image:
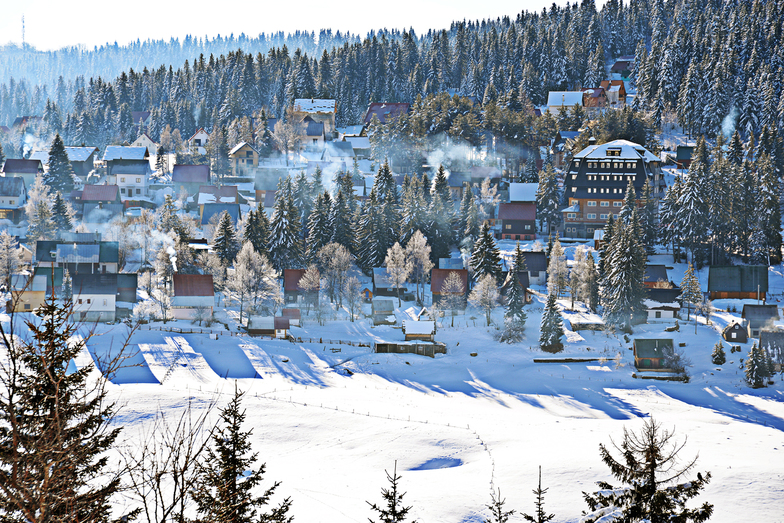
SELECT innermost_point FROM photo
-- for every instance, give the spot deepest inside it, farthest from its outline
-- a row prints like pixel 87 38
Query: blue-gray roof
pixel 122 152
pixel 738 278
pixel 212 209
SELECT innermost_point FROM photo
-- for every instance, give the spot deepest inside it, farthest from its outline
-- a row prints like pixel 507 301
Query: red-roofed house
pixel 100 194
pixel 190 178
pixel 437 278
pixel 191 292
pixel 214 194
pixel 291 289
pixel 518 220
pixel 594 97
pixel 276 326
pixel 385 111
pixel 616 93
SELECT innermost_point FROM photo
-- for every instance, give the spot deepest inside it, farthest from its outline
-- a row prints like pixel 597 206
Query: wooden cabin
pixel 649 353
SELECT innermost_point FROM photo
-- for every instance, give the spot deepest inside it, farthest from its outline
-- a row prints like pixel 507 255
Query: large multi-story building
pixel 596 180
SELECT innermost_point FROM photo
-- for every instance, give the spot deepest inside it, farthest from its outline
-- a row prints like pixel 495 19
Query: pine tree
pixel 647 213
pixel 224 241
pixel 439 229
pixel 319 233
pixel 551 328
pixel 394 511
pixel 692 209
pixel 557 270
pixel 286 246
pixel 541 514
pixel 486 258
pixel 756 368
pixel 340 222
pixel 622 290
pixel 227 479
pixel 548 198
pixel 498 514
pixel 649 471
pixel 56 426
pixel 691 293
pixel 60 214
pixel 59 177
pixel 515 316
pixel 257 230
pixel 370 252
pixel 718 357
pixel 38 210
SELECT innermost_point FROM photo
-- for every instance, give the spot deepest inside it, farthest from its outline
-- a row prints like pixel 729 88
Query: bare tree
pixel 310 283
pixel 453 294
pixel 10 258
pixel 418 254
pixel 485 295
pixel 398 267
pixel 335 262
pixel 288 133
pixel 352 289
pixel 255 280
pixel 162 470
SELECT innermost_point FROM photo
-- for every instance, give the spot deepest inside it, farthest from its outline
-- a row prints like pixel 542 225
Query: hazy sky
pixel 50 24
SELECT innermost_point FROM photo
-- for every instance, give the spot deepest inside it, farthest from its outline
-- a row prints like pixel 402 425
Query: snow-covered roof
pixel 79 154
pixel 339 150
pixel 121 152
pixel 351 130
pixel 240 146
pixel 566 98
pixel 523 192
pixel 358 142
pixel 617 150
pixel 573 208
pixel 419 327
pixel 653 304
pixel 315 105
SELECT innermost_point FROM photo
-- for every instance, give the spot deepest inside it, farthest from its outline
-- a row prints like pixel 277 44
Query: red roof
pixel 291 279
pixel 517 211
pixel 100 193
pixel 593 92
pixel 193 285
pixel 385 111
pixel 294 314
pixel 438 276
pixel 191 174
pixel 281 323
pixel 15 165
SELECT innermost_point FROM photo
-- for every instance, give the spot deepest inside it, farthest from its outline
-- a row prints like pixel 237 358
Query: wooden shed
pixel 411 347
pixel 649 353
pixel 275 326
pixel 735 333
pixel 419 330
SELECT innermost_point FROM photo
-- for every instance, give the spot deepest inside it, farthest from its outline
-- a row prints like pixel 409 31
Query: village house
pixel 656 277
pixel 117 157
pixel 563 99
pixel 536 266
pixel 274 326
pixel 313 135
pixel 419 330
pixel 210 211
pixel 133 181
pixel 145 141
pixel 759 317
pixel 740 282
pixel 616 93
pixel 189 178
pixel 662 312
pixel 292 292
pixel 213 194
pixel 191 293
pixel 360 145
pixel 294 316
pixel 197 144
pixel 518 221
pixel 244 159
pixel 79 258
pixel 383 311
pixel 735 333
pixel 596 181
pixel 27 170
pixel 437 278
pixel 622 68
pixel 13 197
pixel 94 297
pixel 594 98
pixel 383 285
pixel 320 111
pixel 683 154
pixel 649 354
pixel 27 293
pixel 339 152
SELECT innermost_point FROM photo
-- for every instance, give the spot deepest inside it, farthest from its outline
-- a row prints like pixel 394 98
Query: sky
pixel 51 24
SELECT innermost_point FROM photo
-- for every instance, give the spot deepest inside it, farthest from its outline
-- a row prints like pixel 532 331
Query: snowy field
pixel 328 418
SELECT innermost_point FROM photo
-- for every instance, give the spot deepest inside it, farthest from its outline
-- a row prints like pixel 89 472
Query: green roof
pixel 651 348
pixel 110 252
pixel 737 278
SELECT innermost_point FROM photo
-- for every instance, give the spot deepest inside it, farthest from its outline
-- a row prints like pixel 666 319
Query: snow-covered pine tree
pixel 756 369
pixel 319 233
pixel 622 290
pixel 285 247
pixel 692 207
pixel 257 230
pixel 768 208
pixel 439 230
pixel 551 328
pixel 668 218
pixel 557 270
pixel 340 222
pixel 393 511
pixel 718 357
pixel 548 199
pixel 514 316
pixel 649 471
pixel 370 248
pixel 10 258
pixel 691 293
pixel 486 258
pixel 224 240
pixel 228 479
pixel 61 214
pixel 413 210
pixel 59 177
pixel 607 240
pixel 647 213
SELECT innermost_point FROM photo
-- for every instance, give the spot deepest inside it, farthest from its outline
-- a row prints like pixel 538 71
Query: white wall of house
pixel 132 186
pixel 94 307
pixel 661 316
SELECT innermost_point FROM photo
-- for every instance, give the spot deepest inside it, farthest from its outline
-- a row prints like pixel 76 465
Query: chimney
pixel 591 141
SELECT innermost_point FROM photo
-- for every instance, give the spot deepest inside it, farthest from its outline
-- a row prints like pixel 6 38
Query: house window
pixel 122 190
pixel 80 301
pixel 592 216
pixel 591 204
pixel 138 191
pixel 534 274
pixel 658 314
pixel 508 226
pixel 248 154
pixel 603 216
pixel 122 180
pixel 734 335
pixel 604 204
pixel 88 301
pixel 527 227
pixel 570 215
pixel 138 180
pixel 10 202
pixel 27 307
pixel 574 177
pixel 574 189
pixel 617 204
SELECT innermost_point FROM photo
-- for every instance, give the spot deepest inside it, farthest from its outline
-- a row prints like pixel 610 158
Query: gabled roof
pixel 239 146
pixel 593 92
pixel 760 312
pixel 139 115
pixel 664 295
pixel 565 98
pixel 351 131
pixel 626 151
pixel 291 279
pixel 212 209
pixel 11 185
pixel 385 111
pixel 294 314
pixel 315 105
pixel 737 278
pixel 105 284
pixel 339 149
pixel 213 194
pixel 15 165
pixel 654 273
pixel 358 142
pixel 517 211
pixel 193 285
pixel 80 154
pixel 425 327
pixel 123 152
pixel 651 348
pixel 535 261
pixel 437 277
pixel 191 174
pixel 78 253
pixel 198 131
pixel 100 193
pixel 313 128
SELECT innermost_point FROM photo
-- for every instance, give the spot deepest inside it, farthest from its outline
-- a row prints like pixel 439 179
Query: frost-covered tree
pixel 622 290
pixel 653 474
pixel 718 357
pixel 254 281
pixel 62 214
pixel 10 258
pixel 398 266
pixel 285 246
pixel 352 295
pixel 691 293
pixel 692 207
pixel 548 199
pixel 334 262
pixel 38 210
pixel 452 294
pixel 418 254
pixel 551 328
pixel 557 270
pixel 515 316
pixel 485 295
pixel 310 283
pixel 228 482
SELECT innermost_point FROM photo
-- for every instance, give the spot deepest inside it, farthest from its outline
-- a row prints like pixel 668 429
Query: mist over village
pixel 514 268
